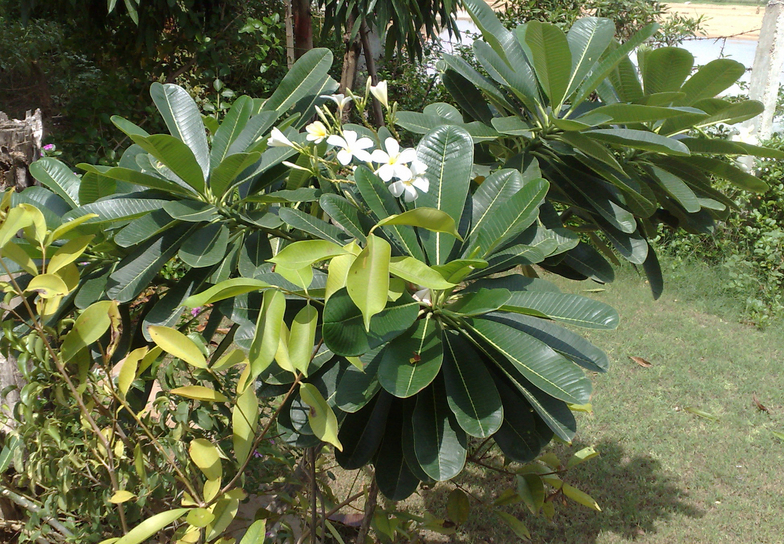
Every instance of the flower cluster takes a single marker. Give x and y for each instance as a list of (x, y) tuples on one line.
[(398, 167)]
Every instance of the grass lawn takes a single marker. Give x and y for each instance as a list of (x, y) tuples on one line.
[(665, 474)]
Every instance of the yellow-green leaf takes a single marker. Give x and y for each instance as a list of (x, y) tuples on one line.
[(230, 359), (68, 253), (580, 497), (199, 392), (255, 533), (121, 496), (321, 417), (128, 367), (37, 229), (301, 277), (282, 353), (223, 290), (205, 456), (426, 218), (582, 456), (244, 422), (200, 517), (268, 330), (514, 524), (65, 228), (302, 337), (20, 257), (225, 510), (47, 286), (17, 219), (417, 272), (151, 526), (307, 252), (93, 322), (368, 278), (177, 344), (337, 272)]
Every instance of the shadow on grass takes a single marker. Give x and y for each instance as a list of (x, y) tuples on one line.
[(635, 495)]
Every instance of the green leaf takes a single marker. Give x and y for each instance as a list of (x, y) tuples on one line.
[(467, 96), (135, 177), (183, 119), (91, 325), (457, 506), (492, 194), (228, 131), (177, 344), (570, 345), (522, 434), (460, 67), (677, 189), (448, 153), (582, 456), (572, 309), (552, 59), (381, 202), (417, 272), (362, 432), (307, 252), (510, 219), (135, 272), (731, 173), (151, 526), (624, 114), (457, 270), (56, 176), (588, 38), (665, 69), (535, 360), (395, 479), (728, 147), (410, 362), (344, 331), (121, 496), (308, 71), (518, 79), (200, 393), (226, 173), (177, 157), (199, 517), (368, 278), (439, 442), (128, 368), (358, 386), (710, 80), (345, 214), (607, 64), (470, 391), (224, 511), (302, 338), (168, 309), (480, 302), (244, 422), (206, 246), (321, 417), (312, 225), (639, 139)]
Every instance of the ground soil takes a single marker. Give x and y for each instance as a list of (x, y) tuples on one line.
[(721, 20)]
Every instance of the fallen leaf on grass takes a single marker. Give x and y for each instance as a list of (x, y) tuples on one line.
[(701, 413), (759, 405), (640, 361)]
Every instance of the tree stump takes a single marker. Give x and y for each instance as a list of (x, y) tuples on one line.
[(20, 145)]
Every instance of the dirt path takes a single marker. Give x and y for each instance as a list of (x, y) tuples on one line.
[(741, 22)]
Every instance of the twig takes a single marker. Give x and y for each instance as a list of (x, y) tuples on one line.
[(370, 508), (28, 505)]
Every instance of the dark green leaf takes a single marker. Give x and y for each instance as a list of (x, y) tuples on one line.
[(312, 225), (206, 246), (362, 432), (411, 361)]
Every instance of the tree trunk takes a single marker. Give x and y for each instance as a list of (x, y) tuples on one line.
[(303, 27), (766, 71), (364, 33)]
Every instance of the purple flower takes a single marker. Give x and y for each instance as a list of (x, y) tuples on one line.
[(196, 311), (49, 147)]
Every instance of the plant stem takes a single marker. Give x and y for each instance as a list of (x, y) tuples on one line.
[(32, 507)]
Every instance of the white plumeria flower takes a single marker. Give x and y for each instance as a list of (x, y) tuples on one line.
[(317, 131), (423, 295), (278, 139), (380, 92), (339, 99), (393, 161), (352, 147), (408, 187)]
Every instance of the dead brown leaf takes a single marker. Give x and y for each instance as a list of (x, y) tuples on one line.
[(759, 405), (640, 361)]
